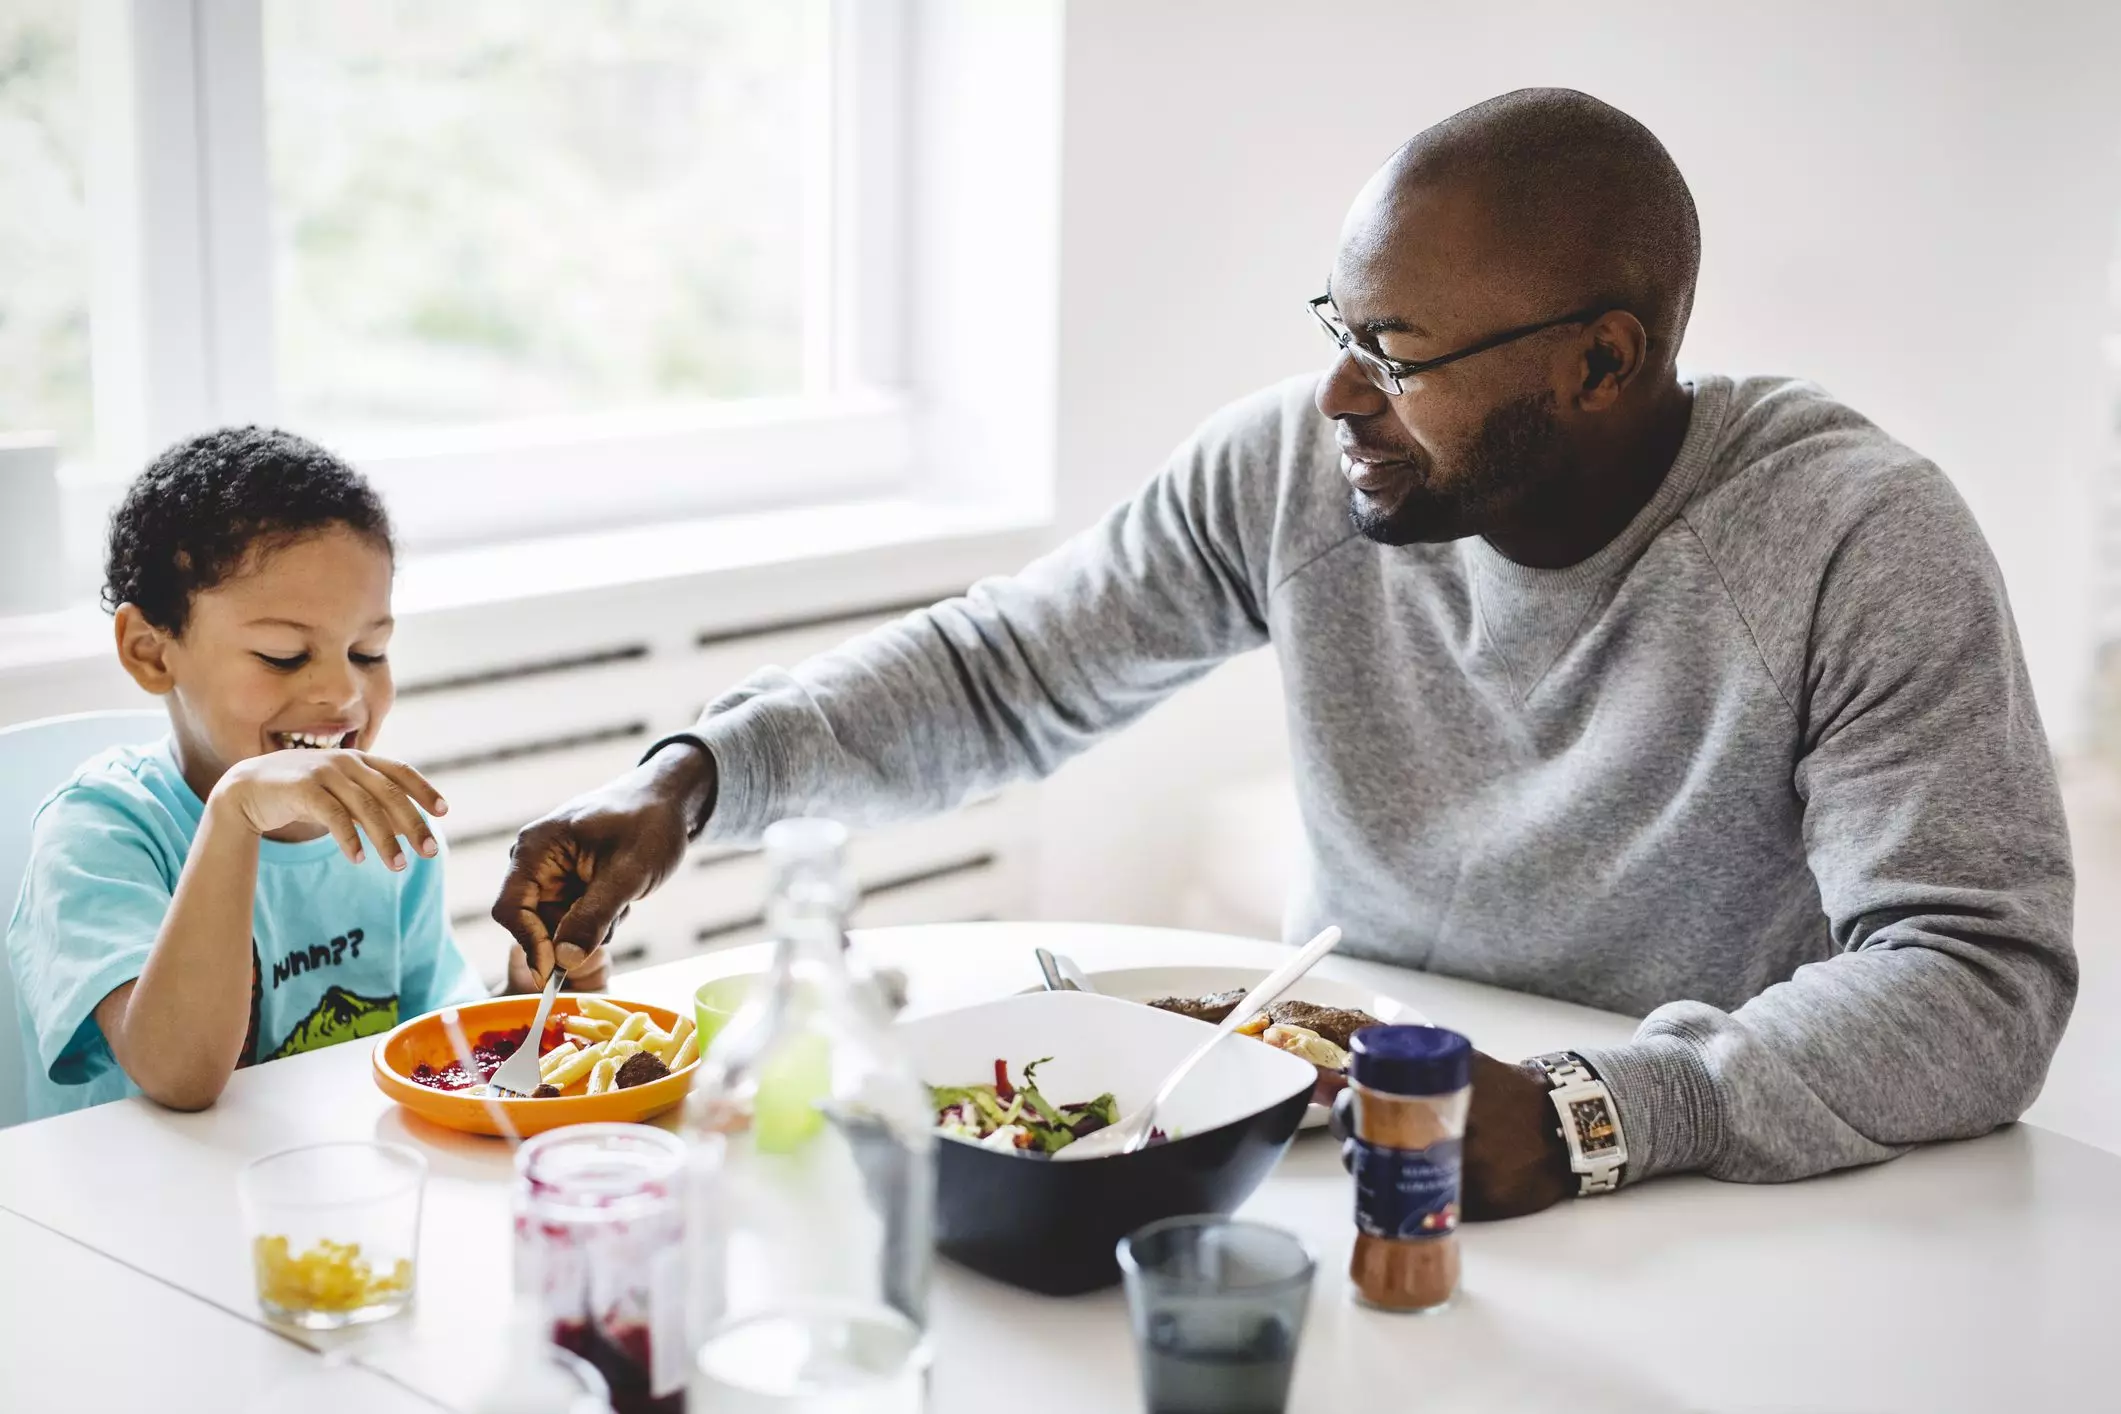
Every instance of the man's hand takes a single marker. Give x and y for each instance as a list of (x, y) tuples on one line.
[(574, 873), (1515, 1160), (592, 976)]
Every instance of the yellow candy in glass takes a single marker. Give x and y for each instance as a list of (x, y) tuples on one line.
[(331, 1276)]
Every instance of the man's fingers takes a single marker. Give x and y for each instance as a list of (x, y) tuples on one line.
[(405, 818), (516, 907), (590, 920), (592, 974), (1340, 1116)]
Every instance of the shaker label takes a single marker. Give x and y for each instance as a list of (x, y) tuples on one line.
[(1407, 1192)]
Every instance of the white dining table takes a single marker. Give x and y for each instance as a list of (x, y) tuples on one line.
[(1971, 1276)]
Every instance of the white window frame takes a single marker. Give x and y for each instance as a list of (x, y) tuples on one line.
[(182, 315)]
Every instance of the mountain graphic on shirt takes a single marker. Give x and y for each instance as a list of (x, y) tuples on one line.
[(339, 1016)]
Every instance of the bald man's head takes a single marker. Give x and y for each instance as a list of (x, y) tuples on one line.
[(1527, 267), (1581, 203)]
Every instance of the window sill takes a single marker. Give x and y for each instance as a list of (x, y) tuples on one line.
[(743, 571)]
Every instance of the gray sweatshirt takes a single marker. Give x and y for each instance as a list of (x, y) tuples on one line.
[(1766, 768)]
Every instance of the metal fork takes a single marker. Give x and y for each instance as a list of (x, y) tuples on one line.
[(519, 1074)]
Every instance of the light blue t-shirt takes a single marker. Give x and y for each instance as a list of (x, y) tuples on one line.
[(338, 950)]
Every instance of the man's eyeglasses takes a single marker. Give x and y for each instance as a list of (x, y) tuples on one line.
[(1388, 375)]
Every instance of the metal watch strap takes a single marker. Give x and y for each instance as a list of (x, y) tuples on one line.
[(1577, 1092), (692, 827)]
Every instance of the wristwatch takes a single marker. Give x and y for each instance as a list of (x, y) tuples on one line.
[(1590, 1122)]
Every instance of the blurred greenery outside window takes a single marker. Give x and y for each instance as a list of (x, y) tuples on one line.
[(492, 209), (44, 259), (485, 224)]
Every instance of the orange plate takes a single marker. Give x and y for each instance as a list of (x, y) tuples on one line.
[(423, 1040)]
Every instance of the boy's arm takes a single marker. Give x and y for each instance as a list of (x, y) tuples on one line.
[(177, 1029)]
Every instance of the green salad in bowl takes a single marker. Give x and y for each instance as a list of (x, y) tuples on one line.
[(1005, 1115)]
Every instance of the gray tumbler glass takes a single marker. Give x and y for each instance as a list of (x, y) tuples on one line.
[(1218, 1309)]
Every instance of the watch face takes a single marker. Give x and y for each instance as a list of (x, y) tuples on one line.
[(1596, 1133)]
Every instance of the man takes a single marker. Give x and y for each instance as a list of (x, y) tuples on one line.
[(1699, 699)]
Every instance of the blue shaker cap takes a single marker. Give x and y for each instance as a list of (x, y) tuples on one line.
[(1410, 1060)]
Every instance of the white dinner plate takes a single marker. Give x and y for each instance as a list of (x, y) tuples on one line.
[(1144, 984)]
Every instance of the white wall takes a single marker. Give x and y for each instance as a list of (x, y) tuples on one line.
[(1914, 204)]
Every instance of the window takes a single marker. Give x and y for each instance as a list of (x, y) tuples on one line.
[(490, 210), (535, 265), (44, 270)]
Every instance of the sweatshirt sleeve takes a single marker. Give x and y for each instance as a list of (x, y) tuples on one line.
[(1021, 673), (1934, 827)]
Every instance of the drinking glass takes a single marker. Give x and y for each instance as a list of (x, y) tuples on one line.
[(334, 1230), (1218, 1309), (816, 1357), (717, 1001)]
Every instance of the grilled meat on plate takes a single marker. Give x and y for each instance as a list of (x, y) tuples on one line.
[(1211, 1009)]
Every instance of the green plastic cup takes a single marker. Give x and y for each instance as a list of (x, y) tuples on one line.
[(793, 1081), (717, 1001)]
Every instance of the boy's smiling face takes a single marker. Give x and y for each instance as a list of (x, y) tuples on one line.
[(285, 654)]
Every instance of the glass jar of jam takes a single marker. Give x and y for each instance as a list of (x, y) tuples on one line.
[(599, 1251), (1408, 1087)]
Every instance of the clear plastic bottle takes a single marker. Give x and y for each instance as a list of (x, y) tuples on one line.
[(812, 1181)]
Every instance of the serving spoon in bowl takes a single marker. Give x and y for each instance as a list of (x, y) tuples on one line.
[(1132, 1130)]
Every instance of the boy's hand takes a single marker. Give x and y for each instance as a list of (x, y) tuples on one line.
[(338, 790)]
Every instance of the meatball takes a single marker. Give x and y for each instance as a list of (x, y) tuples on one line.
[(638, 1069)]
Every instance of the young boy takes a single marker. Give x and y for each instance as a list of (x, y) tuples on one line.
[(206, 903)]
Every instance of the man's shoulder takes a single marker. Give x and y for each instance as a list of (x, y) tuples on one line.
[(1794, 471), (1804, 496), (1270, 457), (1276, 418), (1795, 463)]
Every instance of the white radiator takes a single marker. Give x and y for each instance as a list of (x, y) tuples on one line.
[(505, 741), (515, 705)]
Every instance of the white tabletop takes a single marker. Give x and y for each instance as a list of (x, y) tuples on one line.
[(1960, 1277), (82, 1331)]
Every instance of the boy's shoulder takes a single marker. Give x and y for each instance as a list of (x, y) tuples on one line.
[(134, 788)]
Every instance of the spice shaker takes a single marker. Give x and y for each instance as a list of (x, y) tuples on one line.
[(1408, 1091)]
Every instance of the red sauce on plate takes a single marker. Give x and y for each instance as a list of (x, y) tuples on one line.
[(487, 1053)]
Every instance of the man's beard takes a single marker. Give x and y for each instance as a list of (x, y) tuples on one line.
[(1518, 452)]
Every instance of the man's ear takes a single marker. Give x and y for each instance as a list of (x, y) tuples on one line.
[(1618, 352), (143, 650)]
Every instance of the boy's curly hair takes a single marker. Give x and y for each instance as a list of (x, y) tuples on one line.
[(203, 507)]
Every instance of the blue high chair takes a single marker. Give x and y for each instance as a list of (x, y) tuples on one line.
[(35, 759)]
